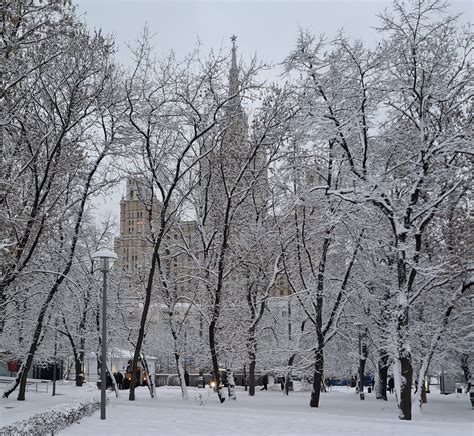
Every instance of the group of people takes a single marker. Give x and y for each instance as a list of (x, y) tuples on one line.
[(390, 385), (118, 376), (370, 383)]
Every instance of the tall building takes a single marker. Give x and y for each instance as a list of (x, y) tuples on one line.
[(133, 246), (229, 153), (181, 250)]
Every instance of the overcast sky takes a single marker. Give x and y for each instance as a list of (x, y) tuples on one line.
[(266, 28)]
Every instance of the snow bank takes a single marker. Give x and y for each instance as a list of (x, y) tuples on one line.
[(52, 421)]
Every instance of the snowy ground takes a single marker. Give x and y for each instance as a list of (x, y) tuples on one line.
[(268, 413)]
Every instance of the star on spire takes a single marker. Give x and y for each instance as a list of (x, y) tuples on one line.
[(234, 73)]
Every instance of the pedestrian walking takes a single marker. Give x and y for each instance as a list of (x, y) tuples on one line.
[(265, 383), (391, 384), (119, 379)]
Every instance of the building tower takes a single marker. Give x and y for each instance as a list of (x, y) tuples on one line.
[(133, 245)]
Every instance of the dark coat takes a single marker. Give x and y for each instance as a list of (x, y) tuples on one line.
[(118, 377)]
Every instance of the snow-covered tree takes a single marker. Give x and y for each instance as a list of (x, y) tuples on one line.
[(53, 159), (414, 90)]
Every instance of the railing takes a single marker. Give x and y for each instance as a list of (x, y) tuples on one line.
[(31, 384)]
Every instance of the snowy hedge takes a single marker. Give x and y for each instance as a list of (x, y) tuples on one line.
[(52, 421)]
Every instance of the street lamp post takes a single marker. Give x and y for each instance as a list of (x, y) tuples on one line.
[(105, 258)]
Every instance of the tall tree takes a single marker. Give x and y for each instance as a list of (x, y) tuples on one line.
[(69, 99)]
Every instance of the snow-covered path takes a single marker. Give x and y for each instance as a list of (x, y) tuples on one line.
[(270, 413)]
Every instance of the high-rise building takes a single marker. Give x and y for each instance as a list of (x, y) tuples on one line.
[(133, 246), (229, 152)]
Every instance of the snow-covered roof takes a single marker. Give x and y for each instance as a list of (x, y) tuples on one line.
[(118, 353)]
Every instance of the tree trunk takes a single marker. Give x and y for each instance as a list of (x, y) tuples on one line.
[(362, 360), (182, 379), (231, 381), (82, 338), (251, 342), (406, 373), (217, 302), (10, 388), (150, 377), (245, 378), (288, 374), (138, 346), (215, 365), (424, 399), (76, 355), (420, 393), (381, 391), (318, 376), (23, 373), (78, 369), (252, 374), (81, 358), (114, 382), (466, 371), (404, 370)]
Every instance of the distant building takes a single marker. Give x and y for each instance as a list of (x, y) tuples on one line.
[(181, 246)]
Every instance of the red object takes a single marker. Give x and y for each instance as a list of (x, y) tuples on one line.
[(12, 366)]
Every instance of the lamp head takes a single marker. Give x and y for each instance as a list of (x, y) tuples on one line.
[(105, 258)]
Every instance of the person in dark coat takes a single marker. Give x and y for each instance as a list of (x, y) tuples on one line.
[(119, 379), (391, 384), (265, 382), (186, 378), (108, 380)]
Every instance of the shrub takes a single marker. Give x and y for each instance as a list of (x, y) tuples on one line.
[(52, 421)]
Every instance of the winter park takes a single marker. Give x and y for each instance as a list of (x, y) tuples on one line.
[(236, 217)]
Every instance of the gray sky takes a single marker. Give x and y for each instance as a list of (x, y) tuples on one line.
[(266, 28)]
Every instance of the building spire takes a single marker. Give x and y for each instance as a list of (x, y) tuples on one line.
[(234, 71), (233, 38)]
